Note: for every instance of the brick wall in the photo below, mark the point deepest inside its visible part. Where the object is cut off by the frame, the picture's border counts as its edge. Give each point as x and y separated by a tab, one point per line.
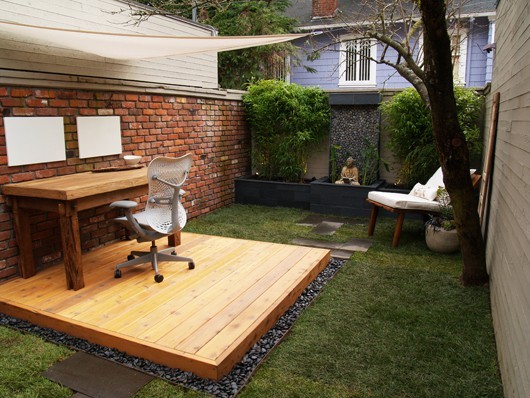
324	8
152	125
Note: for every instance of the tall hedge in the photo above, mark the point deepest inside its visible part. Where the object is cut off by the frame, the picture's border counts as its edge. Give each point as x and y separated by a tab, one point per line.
411	138
286	122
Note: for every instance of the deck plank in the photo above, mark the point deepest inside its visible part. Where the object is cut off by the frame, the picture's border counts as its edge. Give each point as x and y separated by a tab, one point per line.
202	320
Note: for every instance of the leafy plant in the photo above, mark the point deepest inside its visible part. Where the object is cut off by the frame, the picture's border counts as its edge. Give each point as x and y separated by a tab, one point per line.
335	169
371	159
411	138
286	122
445	218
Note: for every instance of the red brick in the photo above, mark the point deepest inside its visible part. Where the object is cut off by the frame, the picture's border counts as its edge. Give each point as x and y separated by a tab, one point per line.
22	177
23	112
66	94
44	93
46	173
21	92
46	112
86	95
59	103
74	103
36	102
88	112
12	102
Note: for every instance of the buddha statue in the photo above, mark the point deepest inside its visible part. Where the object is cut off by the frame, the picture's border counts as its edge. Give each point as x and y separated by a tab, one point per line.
349	174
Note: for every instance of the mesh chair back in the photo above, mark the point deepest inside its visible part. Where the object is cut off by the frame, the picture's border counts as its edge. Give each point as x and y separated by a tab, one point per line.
164	212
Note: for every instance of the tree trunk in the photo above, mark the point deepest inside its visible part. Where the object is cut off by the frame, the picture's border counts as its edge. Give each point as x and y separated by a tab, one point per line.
450	140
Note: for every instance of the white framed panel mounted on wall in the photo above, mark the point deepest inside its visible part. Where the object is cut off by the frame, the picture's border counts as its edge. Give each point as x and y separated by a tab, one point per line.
98	136
31	140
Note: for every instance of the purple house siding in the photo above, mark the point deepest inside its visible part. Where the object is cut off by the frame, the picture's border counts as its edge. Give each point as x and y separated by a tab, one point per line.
326	75
476	75
328	28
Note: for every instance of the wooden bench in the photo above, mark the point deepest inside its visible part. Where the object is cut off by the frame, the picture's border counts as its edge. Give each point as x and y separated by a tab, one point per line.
475	179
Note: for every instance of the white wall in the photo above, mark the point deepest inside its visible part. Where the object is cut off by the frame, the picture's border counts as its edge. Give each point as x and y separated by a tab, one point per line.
17	54
508	232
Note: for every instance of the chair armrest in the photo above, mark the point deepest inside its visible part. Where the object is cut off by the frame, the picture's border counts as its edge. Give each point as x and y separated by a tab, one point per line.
124	204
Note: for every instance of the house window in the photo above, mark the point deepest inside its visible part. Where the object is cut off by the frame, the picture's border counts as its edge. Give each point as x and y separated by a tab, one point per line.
357	67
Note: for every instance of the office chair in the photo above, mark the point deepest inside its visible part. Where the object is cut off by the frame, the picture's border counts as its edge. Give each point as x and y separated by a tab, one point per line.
164	214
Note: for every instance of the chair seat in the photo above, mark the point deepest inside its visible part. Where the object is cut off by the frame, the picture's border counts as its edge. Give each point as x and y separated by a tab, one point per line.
403	201
141	217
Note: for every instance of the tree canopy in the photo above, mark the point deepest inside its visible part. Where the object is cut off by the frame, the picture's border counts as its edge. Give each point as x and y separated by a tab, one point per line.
237	18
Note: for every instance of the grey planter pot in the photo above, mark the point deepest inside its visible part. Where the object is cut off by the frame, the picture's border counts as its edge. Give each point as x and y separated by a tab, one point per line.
441	241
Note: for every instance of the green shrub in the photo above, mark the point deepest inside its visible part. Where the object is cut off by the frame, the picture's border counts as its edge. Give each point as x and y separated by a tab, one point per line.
411	138
286	122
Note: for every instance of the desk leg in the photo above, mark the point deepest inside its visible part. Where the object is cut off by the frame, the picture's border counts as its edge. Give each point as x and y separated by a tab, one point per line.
174	240
26	263
71	243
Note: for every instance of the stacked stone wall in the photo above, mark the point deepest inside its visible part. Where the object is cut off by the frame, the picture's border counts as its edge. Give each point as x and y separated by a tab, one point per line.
353	129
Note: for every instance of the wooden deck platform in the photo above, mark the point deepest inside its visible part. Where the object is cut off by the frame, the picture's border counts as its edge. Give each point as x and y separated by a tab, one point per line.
202	320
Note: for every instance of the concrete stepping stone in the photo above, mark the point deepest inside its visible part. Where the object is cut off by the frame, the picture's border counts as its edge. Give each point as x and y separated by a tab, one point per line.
338	250
313	220
327	227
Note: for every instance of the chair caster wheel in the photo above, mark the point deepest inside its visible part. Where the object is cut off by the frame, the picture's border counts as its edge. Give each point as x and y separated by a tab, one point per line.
117	274
159	278
130	257
191	265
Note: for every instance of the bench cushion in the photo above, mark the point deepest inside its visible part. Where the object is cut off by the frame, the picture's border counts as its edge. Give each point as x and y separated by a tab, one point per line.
403	201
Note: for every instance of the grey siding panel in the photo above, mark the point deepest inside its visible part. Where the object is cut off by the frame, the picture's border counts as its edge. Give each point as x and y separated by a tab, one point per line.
508	228
18	53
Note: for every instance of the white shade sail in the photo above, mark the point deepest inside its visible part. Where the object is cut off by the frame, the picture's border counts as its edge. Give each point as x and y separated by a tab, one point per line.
133	46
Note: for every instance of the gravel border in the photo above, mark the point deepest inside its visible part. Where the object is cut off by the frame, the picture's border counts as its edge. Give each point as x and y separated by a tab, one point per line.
231	384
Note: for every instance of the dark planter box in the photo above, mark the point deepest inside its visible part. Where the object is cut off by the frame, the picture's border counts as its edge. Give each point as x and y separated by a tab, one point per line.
252	191
318	196
342	200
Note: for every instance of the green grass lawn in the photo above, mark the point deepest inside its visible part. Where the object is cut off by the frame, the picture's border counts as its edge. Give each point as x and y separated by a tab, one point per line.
394	322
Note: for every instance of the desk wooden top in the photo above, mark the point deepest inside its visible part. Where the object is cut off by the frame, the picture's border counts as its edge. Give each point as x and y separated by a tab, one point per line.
76	186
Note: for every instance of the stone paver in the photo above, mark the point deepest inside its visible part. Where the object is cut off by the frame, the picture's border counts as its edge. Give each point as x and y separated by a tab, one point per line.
327	227
96	377
338	250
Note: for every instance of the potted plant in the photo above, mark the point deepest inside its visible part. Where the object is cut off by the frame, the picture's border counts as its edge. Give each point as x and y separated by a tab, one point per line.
440	229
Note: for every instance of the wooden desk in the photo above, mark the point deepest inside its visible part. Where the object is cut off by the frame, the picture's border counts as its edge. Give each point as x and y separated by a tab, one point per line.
67	195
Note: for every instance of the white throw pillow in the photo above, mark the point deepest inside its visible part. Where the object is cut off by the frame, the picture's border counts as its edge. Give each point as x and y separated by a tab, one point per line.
424	191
